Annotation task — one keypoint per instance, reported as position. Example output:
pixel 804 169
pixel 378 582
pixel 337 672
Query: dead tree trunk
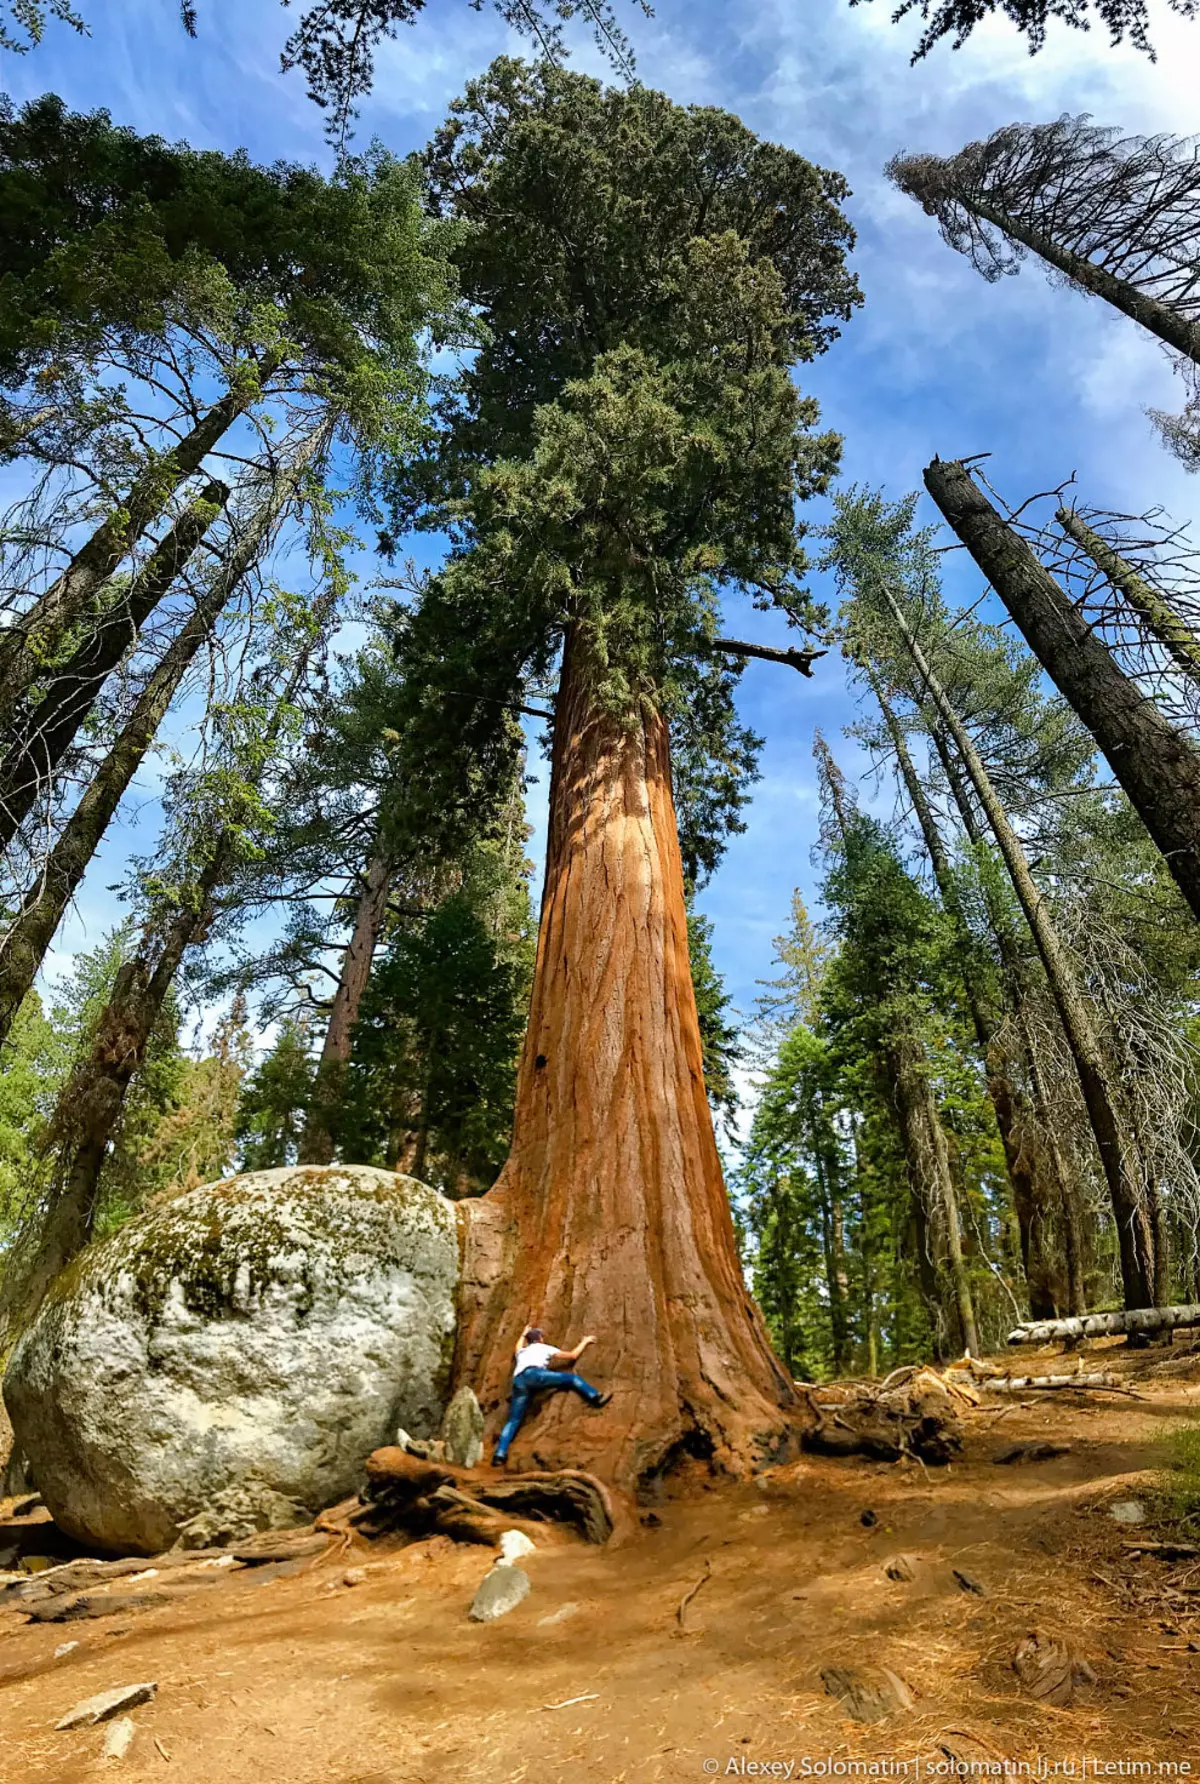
pixel 931 1178
pixel 1001 1091
pixel 1062 1186
pixel 23 948
pixel 93 1101
pixel 1105 1325
pixel 1158 768
pixel 1152 608
pixel 611 1213
pixel 44 737
pixel 316 1146
pixel 1113 1139
pixel 27 647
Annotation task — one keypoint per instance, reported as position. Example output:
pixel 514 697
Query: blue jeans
pixel 535 1381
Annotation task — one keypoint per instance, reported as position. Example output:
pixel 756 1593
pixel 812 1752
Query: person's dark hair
pixel 533 1335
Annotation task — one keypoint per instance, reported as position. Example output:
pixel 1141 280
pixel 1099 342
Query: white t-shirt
pixel 534 1356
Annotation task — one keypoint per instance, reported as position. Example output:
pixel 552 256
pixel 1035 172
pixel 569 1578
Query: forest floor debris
pixel 288 1674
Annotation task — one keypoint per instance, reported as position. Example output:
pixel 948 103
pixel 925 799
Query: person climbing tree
pixel 628 440
pixel 541 1368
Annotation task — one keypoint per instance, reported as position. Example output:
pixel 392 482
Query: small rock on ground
pixel 500 1591
pixel 1128 1511
pixel 106 1704
pixel 901 1567
pixel 119 1738
pixel 514 1544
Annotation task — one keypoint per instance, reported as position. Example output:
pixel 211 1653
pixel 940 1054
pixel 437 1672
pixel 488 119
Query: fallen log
pixel 1105 1325
pixel 1096 1382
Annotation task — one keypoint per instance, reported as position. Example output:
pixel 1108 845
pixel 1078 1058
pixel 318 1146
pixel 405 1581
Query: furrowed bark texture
pixel 29 645
pixel 1152 608
pixel 610 1215
pixel 1100 1093
pixel 47 734
pixel 1158 768
pixel 316 1148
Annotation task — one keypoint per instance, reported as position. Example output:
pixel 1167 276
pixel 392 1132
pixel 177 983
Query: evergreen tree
pixel 628 440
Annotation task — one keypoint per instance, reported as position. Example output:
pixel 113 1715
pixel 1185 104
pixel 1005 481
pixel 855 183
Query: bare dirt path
pixel 303 1678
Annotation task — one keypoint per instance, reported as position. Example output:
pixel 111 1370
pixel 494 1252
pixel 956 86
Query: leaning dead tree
pixel 1116 217
pixel 1155 763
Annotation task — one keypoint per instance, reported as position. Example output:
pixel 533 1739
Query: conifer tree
pixel 628 440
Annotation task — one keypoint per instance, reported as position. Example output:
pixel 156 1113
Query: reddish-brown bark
pixel 610 1215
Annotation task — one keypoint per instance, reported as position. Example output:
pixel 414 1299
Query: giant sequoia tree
pixel 628 440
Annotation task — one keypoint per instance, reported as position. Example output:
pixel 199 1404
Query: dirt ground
pixel 301 1677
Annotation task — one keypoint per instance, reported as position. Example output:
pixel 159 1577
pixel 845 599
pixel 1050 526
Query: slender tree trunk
pixel 1095 1081
pixel 1001 1092
pixel 23 948
pixel 1171 326
pixel 611 1214
pixel 89 1110
pixel 1158 768
pixel 1063 1187
pixel 45 736
pixel 866 1250
pixel 316 1148
pixel 1154 610
pixel 834 1247
pixel 27 647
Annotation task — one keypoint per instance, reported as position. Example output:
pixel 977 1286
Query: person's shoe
pixel 499 1461
pixel 602 1401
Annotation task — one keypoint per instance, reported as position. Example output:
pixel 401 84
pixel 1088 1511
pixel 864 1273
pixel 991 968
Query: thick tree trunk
pixel 1001 1092
pixel 28 646
pixel 316 1147
pixel 1154 610
pixel 1113 1139
pixel 45 736
pixel 1157 766
pixel 611 1215
pixel 1170 326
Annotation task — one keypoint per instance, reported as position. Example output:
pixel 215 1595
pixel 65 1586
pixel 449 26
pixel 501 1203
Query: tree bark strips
pixel 1100 1093
pixel 611 1214
pixel 1157 767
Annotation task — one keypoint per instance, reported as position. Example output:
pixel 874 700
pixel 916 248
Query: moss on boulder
pixel 228 1360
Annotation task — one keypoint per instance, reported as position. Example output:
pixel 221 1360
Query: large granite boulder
pixel 226 1362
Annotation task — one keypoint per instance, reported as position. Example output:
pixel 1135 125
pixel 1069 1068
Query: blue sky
pixel 936 362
